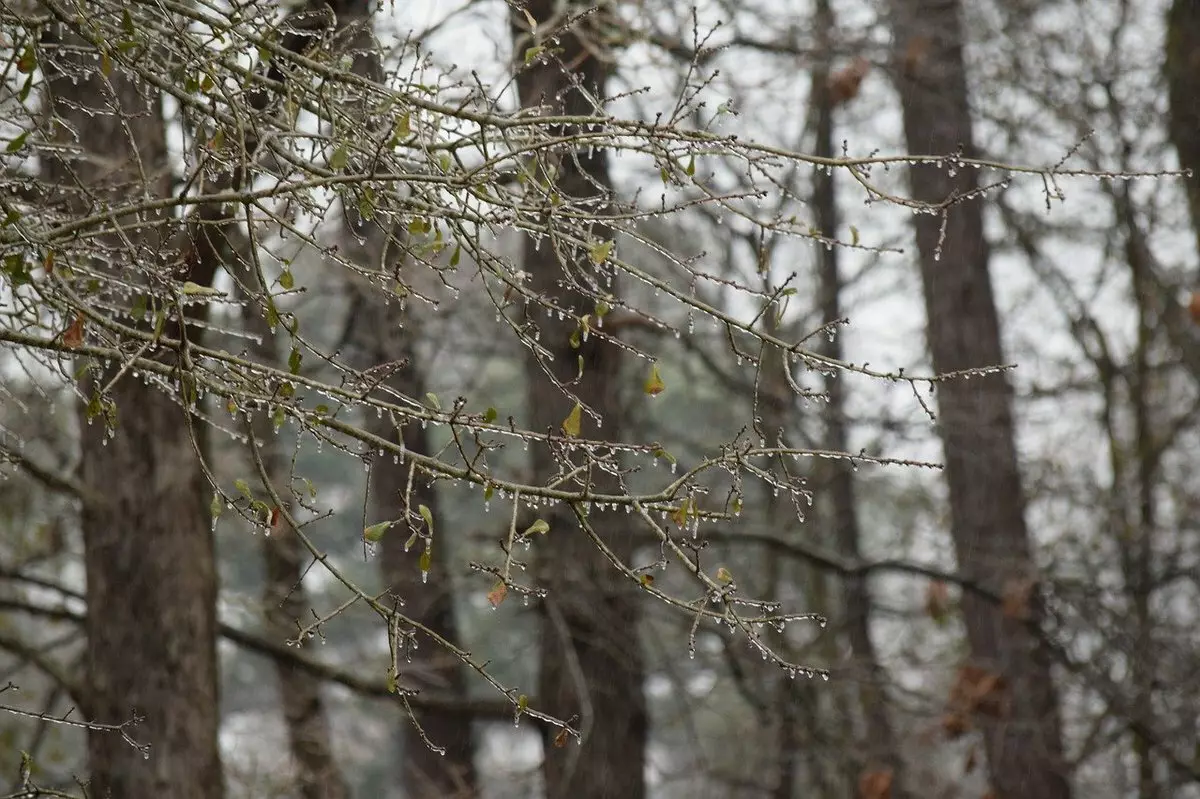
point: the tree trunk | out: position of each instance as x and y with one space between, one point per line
285 603
381 332
881 753
591 662
1183 91
1022 735
148 546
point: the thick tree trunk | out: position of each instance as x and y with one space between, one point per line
1022 736
591 663
1183 86
148 547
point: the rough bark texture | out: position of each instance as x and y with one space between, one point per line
380 332
148 547
591 663
1183 85
881 753
1022 738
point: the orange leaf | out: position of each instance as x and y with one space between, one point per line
497 594
73 335
1194 307
561 739
275 518
875 785
844 84
955 725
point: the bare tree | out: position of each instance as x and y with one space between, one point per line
1006 688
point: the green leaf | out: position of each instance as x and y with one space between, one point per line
26 88
427 515
533 52
490 415
339 159
659 452
375 532
539 527
278 417
724 576
854 235
456 255
401 130
272 315
196 290
243 488
139 309
426 559
27 63
600 251
488 490
286 280
522 703
17 143
294 361
574 421
216 506
433 401
366 203
654 384
691 167
321 409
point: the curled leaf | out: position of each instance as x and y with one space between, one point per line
724 575
540 527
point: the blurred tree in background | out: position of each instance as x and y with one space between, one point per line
375 377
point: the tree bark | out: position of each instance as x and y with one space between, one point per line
881 752
285 604
381 332
591 661
148 546
1183 91
1022 736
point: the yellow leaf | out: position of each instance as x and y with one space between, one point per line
654 384
574 421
